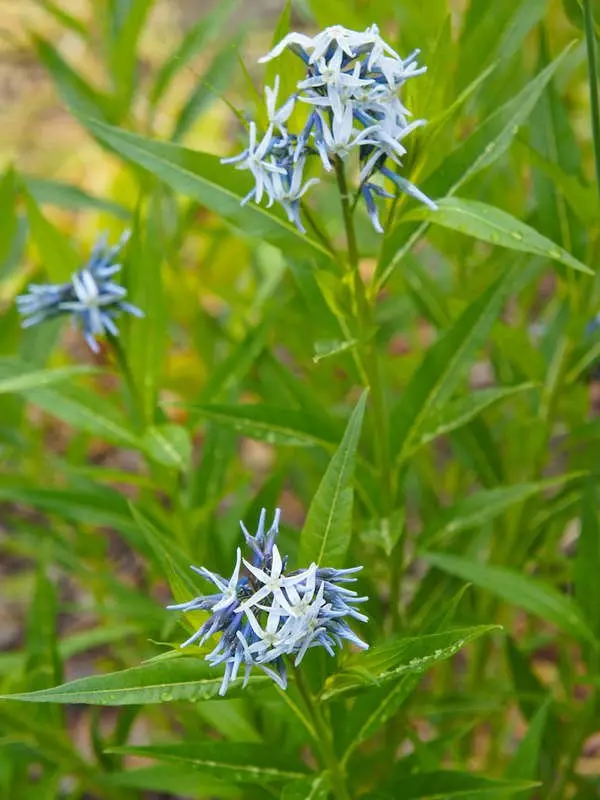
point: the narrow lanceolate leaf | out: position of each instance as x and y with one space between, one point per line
316 787
78 95
483 506
490 224
31 378
169 445
401 656
445 364
217 186
328 527
485 146
65 195
174 564
230 761
182 678
280 426
587 565
445 784
525 762
55 252
146 340
87 411
172 779
531 594
459 412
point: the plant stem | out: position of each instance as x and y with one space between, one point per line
347 213
324 739
123 364
592 55
371 365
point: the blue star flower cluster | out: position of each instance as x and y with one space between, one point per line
265 613
352 88
91 298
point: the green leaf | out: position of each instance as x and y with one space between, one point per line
172 779
490 224
244 763
178 678
201 34
398 657
328 527
54 250
459 412
209 87
172 561
78 95
483 506
587 564
169 445
64 195
217 186
525 762
122 50
9 222
484 147
103 507
278 426
145 340
328 348
443 784
87 411
531 594
32 378
314 788
65 19
445 364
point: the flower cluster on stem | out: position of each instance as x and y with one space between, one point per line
91 298
265 613
352 90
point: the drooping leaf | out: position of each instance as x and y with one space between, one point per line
217 186
246 763
480 507
182 678
64 195
32 378
485 146
169 445
78 95
445 784
459 412
398 657
531 594
328 526
280 426
492 225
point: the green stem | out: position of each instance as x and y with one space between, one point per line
592 55
347 213
134 398
369 356
324 739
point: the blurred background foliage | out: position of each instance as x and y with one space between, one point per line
231 319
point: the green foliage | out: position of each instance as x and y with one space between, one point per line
426 409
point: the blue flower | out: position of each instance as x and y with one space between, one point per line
91 297
353 82
269 614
